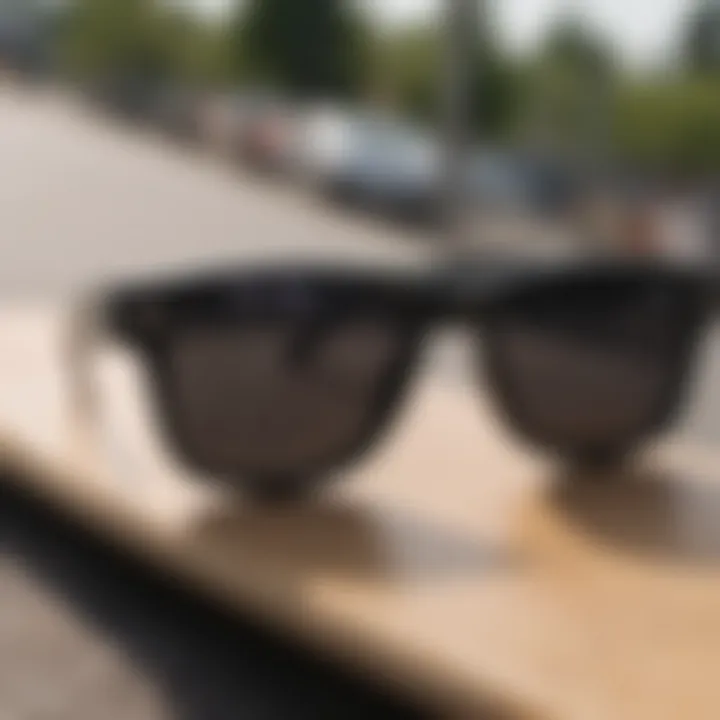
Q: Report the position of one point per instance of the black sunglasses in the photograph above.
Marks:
(268, 379)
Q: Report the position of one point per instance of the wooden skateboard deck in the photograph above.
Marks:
(450, 563)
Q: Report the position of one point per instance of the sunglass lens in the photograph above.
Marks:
(288, 392)
(591, 367)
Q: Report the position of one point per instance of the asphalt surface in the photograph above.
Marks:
(83, 633)
(85, 201)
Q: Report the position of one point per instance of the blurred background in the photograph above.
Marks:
(588, 126)
(138, 134)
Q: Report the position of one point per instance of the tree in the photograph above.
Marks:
(670, 127)
(570, 90)
(113, 38)
(496, 93)
(701, 44)
(193, 51)
(408, 70)
(313, 47)
(413, 65)
(572, 44)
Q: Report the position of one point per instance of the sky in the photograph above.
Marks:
(644, 30)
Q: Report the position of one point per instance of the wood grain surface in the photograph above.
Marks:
(451, 563)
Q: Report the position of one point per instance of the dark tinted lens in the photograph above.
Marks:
(594, 365)
(275, 398)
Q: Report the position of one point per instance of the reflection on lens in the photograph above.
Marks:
(579, 392)
(273, 399)
(591, 368)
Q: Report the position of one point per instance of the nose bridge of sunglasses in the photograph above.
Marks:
(476, 279)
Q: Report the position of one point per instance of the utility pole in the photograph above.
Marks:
(462, 18)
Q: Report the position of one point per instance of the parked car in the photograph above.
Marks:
(222, 120)
(130, 98)
(527, 203)
(387, 168)
(268, 137)
(177, 112)
(323, 142)
(392, 169)
(250, 127)
(397, 171)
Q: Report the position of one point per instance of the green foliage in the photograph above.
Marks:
(671, 127)
(320, 47)
(568, 90)
(412, 69)
(308, 48)
(571, 45)
(113, 38)
(701, 43)
(496, 96)
(409, 70)
(195, 53)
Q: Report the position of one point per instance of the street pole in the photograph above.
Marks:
(462, 19)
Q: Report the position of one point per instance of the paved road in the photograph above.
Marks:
(81, 202)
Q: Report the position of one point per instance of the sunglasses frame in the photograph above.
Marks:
(148, 317)
(697, 314)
